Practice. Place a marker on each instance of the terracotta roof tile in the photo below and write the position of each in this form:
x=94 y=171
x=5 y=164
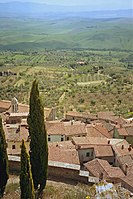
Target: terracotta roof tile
x=5 y=104
x=129 y=130
x=76 y=128
x=128 y=180
x=16 y=133
x=101 y=146
x=83 y=115
x=63 y=152
x=65 y=128
x=22 y=108
x=110 y=116
x=90 y=140
x=119 y=142
x=98 y=166
x=122 y=131
x=54 y=128
x=100 y=128
x=126 y=159
x=103 y=151
x=122 y=150
x=107 y=125
x=92 y=132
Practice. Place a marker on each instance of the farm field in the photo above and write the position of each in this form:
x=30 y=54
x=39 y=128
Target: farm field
x=81 y=64
x=82 y=80
x=65 y=33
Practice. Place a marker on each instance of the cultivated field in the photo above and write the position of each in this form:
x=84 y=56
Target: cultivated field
x=71 y=79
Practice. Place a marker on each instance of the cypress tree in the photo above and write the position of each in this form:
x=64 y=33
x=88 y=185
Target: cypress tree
x=38 y=143
x=3 y=161
x=26 y=181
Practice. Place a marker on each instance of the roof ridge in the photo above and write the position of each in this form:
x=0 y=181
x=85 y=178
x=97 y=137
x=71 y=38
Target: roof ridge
x=103 y=166
x=100 y=131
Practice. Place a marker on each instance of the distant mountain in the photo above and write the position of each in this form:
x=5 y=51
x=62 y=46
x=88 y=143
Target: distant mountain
x=19 y=9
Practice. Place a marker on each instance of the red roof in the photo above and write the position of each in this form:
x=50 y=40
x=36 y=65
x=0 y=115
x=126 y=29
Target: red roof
x=98 y=166
x=63 y=152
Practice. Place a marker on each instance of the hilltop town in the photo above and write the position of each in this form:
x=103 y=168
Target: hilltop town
x=83 y=147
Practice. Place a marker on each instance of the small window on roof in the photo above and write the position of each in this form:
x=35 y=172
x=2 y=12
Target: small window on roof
x=49 y=138
x=88 y=154
x=13 y=146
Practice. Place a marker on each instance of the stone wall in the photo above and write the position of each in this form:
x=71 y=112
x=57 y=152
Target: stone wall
x=54 y=173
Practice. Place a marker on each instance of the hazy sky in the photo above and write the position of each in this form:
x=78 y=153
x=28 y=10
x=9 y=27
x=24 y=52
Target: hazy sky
x=80 y=2
x=92 y=4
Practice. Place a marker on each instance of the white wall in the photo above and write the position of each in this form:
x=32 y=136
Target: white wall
x=83 y=154
x=56 y=138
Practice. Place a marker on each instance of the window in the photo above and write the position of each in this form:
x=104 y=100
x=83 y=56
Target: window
x=67 y=138
x=92 y=153
x=13 y=146
x=88 y=154
x=62 y=138
x=49 y=138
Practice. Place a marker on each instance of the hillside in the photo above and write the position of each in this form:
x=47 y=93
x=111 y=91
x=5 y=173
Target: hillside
x=103 y=82
x=69 y=190
x=65 y=33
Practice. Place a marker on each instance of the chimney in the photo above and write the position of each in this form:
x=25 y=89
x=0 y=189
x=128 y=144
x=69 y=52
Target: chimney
x=77 y=147
x=108 y=141
x=18 y=129
x=130 y=148
x=126 y=168
x=122 y=147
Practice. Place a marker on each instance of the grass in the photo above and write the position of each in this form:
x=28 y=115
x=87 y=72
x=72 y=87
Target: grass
x=53 y=190
x=59 y=190
x=21 y=34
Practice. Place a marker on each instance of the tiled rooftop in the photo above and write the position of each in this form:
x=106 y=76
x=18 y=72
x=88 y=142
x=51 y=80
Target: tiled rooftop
x=5 y=104
x=63 y=152
x=16 y=133
x=98 y=166
x=128 y=180
x=122 y=131
x=122 y=150
x=103 y=151
x=126 y=159
x=22 y=108
x=84 y=115
x=55 y=127
x=90 y=140
x=98 y=130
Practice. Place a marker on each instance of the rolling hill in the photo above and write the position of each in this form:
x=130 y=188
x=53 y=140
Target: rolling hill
x=66 y=33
